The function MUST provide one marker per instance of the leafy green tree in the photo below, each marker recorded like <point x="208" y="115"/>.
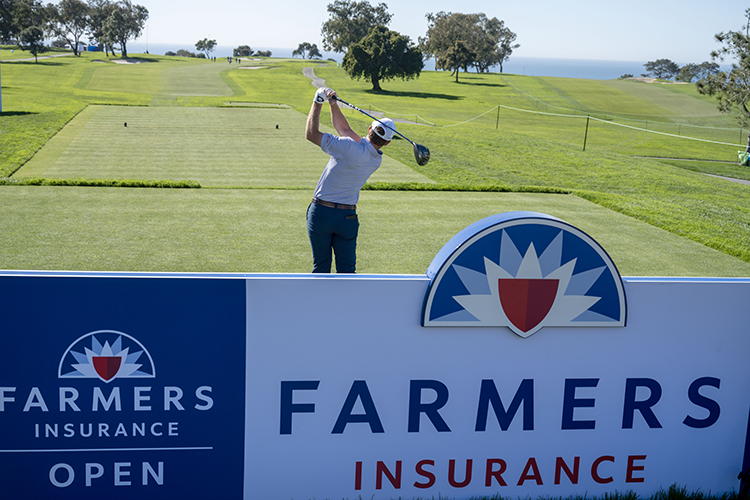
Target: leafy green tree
<point x="7" y="8"/>
<point x="707" y="68"/>
<point x="458" y="56"/>
<point x="662" y="68"/>
<point x="99" y="12"/>
<point x="263" y="53"/>
<point x="72" y="21"/>
<point x="126" y="21"/>
<point x="688" y="73"/>
<point x="301" y="49"/>
<point x="242" y="51"/>
<point x="24" y="14"/>
<point x="307" y="50"/>
<point x="691" y="71"/>
<point x="383" y="55"/>
<point x="185" y="53"/>
<point x="732" y="88"/>
<point x="314" y="52"/>
<point x="491" y="42"/>
<point x="206" y="46"/>
<point x="350" y="21"/>
<point x="32" y="39"/>
<point x="506" y="46"/>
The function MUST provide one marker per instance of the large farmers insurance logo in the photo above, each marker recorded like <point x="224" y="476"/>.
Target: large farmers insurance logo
<point x="524" y="271"/>
<point x="106" y="355"/>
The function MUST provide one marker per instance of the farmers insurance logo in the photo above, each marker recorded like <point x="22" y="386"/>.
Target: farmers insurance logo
<point x="524" y="271"/>
<point x="106" y="355"/>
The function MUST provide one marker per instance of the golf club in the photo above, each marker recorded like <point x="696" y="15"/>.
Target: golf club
<point x="421" y="153"/>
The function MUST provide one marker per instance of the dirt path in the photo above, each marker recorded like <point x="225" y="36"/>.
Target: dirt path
<point x="731" y="179"/>
<point x="40" y="57"/>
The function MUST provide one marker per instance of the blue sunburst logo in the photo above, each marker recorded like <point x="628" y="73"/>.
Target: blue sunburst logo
<point x="106" y="355"/>
<point x="524" y="271"/>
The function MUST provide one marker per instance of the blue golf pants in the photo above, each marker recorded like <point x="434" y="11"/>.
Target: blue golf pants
<point x="332" y="231"/>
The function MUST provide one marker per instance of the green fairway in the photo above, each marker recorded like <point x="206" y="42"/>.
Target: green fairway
<point x="201" y="78"/>
<point x="244" y="147"/>
<point x="215" y="123"/>
<point x="228" y="230"/>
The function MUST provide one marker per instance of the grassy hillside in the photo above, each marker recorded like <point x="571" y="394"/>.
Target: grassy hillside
<point x="532" y="143"/>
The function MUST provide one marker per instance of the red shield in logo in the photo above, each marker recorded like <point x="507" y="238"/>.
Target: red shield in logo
<point x="106" y="366"/>
<point x="527" y="302"/>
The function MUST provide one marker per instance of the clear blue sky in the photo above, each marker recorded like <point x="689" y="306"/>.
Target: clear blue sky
<point x="632" y="30"/>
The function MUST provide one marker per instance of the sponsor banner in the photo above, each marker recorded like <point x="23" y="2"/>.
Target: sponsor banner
<point x="349" y="395"/>
<point x="122" y="387"/>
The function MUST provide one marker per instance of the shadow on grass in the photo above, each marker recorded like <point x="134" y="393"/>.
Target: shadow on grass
<point x="482" y="84"/>
<point x="419" y="95"/>
<point x="479" y="81"/>
<point x="17" y="113"/>
<point x="41" y="62"/>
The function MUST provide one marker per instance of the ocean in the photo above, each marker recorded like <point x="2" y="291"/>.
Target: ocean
<point x="529" y="66"/>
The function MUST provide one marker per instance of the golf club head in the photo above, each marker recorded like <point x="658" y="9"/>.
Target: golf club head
<point x="421" y="154"/>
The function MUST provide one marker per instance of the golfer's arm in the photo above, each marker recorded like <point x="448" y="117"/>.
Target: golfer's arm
<point x="312" y="128"/>
<point x="340" y="122"/>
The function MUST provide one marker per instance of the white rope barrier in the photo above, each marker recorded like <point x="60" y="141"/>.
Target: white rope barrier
<point x="559" y="115"/>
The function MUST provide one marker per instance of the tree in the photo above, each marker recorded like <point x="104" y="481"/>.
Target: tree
<point x="383" y="55"/>
<point x="314" y="52"/>
<point x="242" y="51"/>
<point x="691" y="72"/>
<point x="732" y="88"/>
<point x="301" y="49"/>
<point x="458" y="56"/>
<point x="350" y="22"/>
<point x="687" y="73"/>
<point x="305" y="49"/>
<point x="206" y="46"/>
<point x="72" y="21"/>
<point x="99" y="12"/>
<point x="707" y="68"/>
<point x="506" y="46"/>
<point x="24" y="14"/>
<point x="185" y="53"/>
<point x="7" y="8"/>
<point x="126" y="21"/>
<point x="489" y="40"/>
<point x="662" y="68"/>
<point x="263" y="53"/>
<point x="32" y="39"/>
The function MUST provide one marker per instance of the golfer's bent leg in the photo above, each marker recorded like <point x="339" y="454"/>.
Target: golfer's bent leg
<point x="319" y="229"/>
<point x="345" y="242"/>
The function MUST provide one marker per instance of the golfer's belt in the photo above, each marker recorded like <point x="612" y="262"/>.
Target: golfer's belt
<point x="329" y="204"/>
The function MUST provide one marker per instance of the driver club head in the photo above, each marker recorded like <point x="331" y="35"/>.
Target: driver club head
<point x="421" y="154"/>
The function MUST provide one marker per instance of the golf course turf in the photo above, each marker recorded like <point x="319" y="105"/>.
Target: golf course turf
<point x="239" y="135"/>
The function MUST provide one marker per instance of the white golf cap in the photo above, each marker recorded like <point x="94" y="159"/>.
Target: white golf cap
<point x="385" y="124"/>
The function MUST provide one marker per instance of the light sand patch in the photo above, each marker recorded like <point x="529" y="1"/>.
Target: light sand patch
<point x="128" y="61"/>
<point x="648" y="79"/>
<point x="258" y="67"/>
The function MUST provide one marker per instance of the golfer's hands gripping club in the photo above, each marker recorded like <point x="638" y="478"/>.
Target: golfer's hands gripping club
<point x="323" y="94"/>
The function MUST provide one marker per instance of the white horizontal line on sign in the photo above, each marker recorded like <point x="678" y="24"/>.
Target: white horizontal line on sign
<point x="74" y="450"/>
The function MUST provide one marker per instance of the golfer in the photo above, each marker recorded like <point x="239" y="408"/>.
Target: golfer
<point x="332" y="222"/>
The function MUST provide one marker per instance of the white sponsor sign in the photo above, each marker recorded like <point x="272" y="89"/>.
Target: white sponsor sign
<point x="348" y="395"/>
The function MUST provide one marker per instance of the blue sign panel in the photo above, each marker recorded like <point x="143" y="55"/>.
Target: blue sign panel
<point x="122" y="387"/>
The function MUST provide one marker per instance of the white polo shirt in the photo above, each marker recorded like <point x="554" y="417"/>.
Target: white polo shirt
<point x="351" y="164"/>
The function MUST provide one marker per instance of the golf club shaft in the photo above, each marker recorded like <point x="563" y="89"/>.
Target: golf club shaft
<point x="368" y="114"/>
